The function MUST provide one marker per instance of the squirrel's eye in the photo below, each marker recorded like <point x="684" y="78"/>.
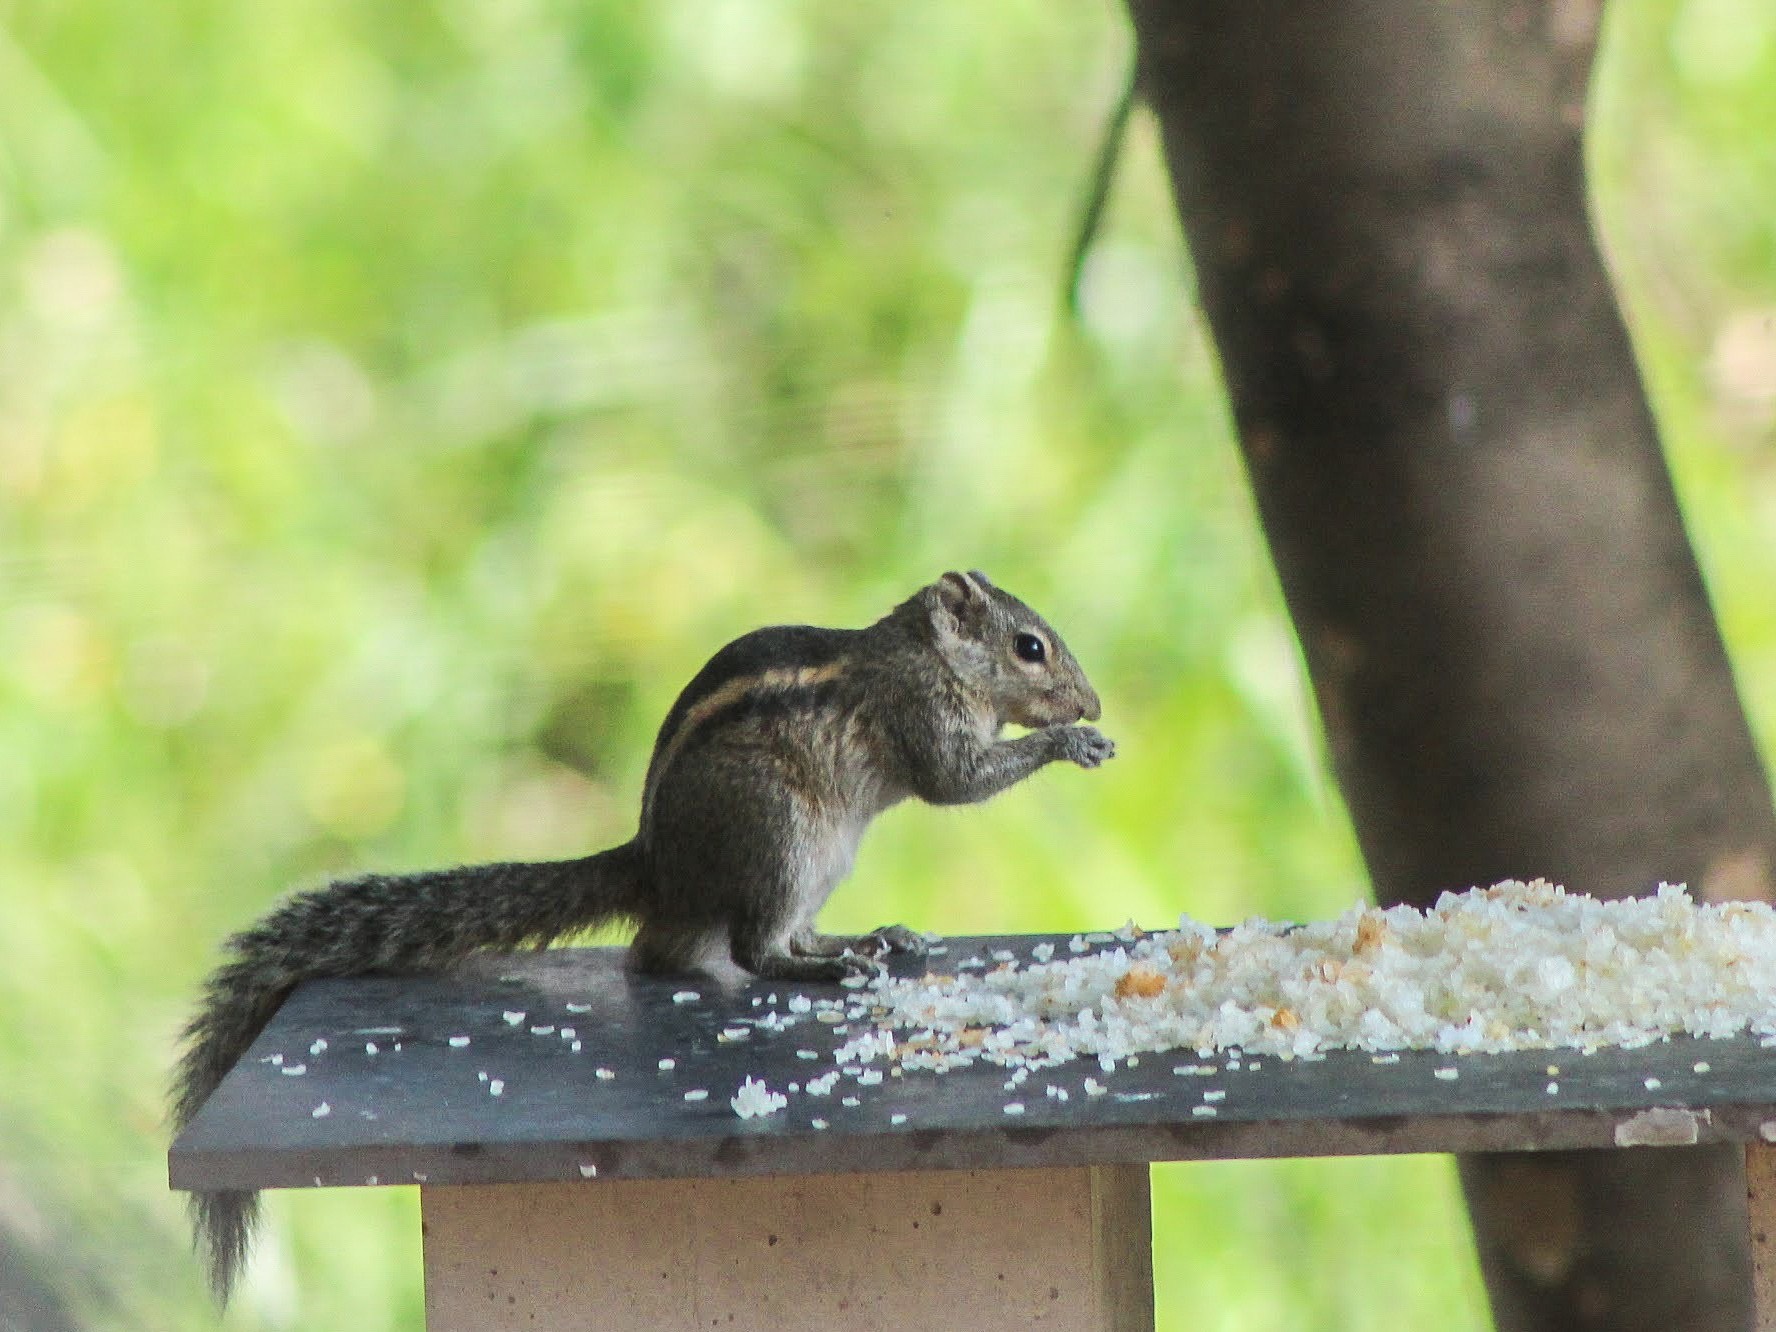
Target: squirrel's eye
<point x="1029" y="648"/>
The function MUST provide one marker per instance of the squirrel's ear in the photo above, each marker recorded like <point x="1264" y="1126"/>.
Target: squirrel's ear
<point x="955" y="601"/>
<point x="962" y="594"/>
<point x="980" y="578"/>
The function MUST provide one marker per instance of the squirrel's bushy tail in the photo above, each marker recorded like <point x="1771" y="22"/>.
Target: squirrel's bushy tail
<point x="379" y="924"/>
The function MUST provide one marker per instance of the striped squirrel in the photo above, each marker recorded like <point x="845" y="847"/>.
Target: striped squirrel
<point x="766" y="771"/>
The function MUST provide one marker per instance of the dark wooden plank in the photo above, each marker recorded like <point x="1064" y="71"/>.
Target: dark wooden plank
<point x="418" y="1109"/>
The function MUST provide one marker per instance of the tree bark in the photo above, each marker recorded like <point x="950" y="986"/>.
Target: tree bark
<point x="1514" y="658"/>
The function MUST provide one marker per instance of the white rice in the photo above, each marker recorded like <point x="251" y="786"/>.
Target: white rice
<point x="1513" y="967"/>
<point x="755" y="1099"/>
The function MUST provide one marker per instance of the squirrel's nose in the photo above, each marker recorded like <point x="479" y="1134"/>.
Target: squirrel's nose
<point x="1089" y="708"/>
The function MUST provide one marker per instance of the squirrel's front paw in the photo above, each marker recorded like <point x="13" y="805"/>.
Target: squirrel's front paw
<point x="1085" y="745"/>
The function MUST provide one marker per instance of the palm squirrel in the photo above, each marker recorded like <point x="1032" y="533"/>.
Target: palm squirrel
<point x="766" y="772"/>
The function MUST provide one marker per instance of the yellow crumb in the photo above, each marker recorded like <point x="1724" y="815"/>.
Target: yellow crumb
<point x="1142" y="981"/>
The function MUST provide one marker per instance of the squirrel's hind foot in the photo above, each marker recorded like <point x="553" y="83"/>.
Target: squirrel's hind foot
<point x="886" y="939"/>
<point x="785" y="966"/>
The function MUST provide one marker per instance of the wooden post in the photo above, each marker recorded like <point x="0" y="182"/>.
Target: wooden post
<point x="1066" y="1247"/>
<point x="1760" y="1193"/>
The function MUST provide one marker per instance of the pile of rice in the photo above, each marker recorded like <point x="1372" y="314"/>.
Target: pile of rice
<point x="1513" y="967"/>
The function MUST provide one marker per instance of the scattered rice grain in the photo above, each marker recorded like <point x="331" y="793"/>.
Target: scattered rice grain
<point x="755" y="1100"/>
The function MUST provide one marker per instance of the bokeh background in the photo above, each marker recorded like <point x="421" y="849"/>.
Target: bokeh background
<point x="399" y="401"/>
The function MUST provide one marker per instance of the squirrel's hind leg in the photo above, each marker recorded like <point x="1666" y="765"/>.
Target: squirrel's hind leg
<point x="879" y="942"/>
<point x="759" y="939"/>
<point x="664" y="951"/>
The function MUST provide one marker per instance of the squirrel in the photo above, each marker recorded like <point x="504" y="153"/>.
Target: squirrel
<point x="765" y="773"/>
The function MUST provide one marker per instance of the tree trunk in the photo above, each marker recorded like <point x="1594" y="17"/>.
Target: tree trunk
<point x="1513" y="655"/>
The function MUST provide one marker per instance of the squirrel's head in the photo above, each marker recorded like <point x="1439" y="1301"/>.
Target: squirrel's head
<point x="1001" y="647"/>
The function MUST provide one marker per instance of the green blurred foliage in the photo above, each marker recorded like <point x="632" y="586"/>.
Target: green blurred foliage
<point x="398" y="402"/>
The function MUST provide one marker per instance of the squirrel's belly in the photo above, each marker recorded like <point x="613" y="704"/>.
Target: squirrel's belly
<point x="823" y="855"/>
